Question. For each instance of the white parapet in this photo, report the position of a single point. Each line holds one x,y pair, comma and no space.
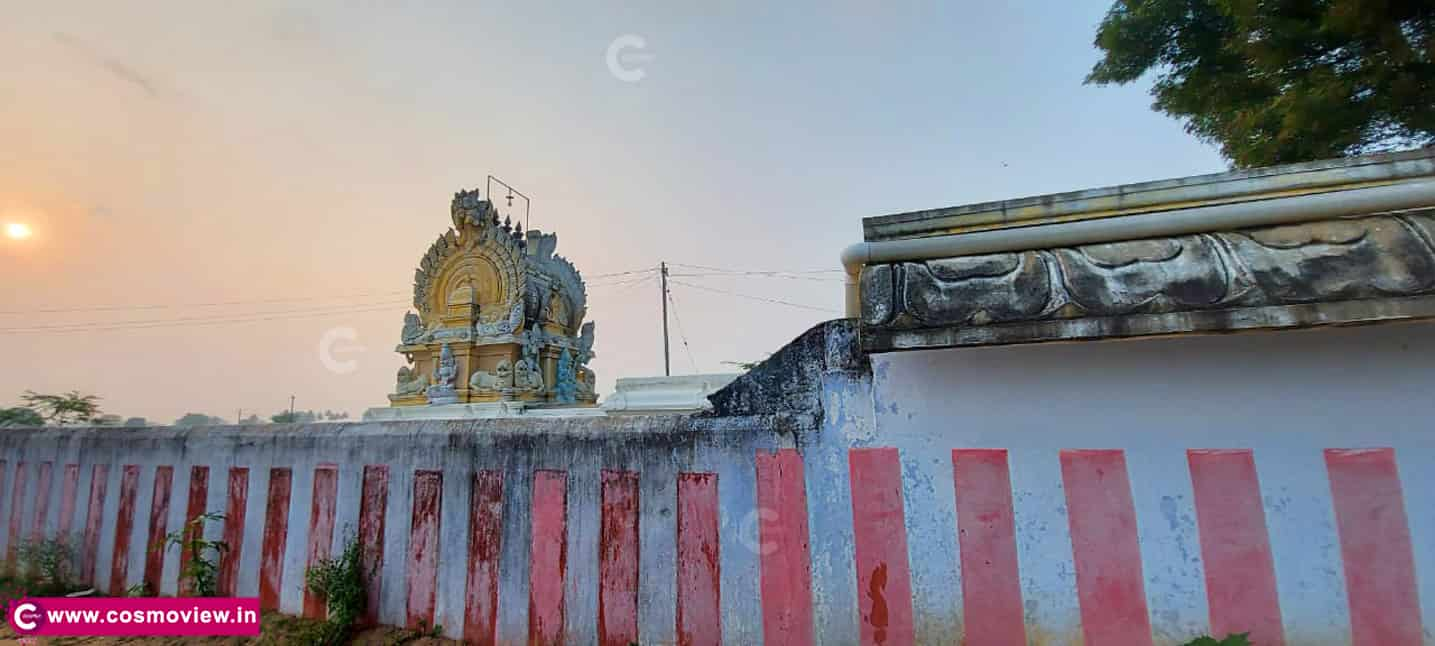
633,396
492,410
680,394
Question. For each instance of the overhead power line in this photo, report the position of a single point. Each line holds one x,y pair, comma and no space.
205,320
681,334
160,306
260,301
622,281
757,274
754,271
755,298
623,273
628,286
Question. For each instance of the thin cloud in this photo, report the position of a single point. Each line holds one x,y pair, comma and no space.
110,64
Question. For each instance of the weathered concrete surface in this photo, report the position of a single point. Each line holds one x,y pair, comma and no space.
948,473
1288,246
1348,271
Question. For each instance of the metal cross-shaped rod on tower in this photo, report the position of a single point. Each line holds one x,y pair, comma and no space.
663,271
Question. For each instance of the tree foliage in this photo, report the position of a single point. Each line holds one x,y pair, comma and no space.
1278,81
307,416
199,419
72,407
20,416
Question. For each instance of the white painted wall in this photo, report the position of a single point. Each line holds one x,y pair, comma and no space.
1286,395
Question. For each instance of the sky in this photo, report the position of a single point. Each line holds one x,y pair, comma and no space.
246,188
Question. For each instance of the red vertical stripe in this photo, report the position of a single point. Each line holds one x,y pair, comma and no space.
3,464
276,533
69,494
485,538
422,574
42,499
699,570
227,579
618,560
986,536
373,503
786,564
1235,547
17,516
548,558
124,527
1109,583
158,525
193,509
879,533
321,533
94,515
1375,546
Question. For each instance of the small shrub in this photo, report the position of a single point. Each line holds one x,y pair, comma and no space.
201,571
1239,639
340,582
47,565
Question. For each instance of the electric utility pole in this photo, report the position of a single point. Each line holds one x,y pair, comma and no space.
667,366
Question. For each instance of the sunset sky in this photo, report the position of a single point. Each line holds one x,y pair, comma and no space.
236,185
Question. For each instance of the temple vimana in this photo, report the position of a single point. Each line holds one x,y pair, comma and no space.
499,319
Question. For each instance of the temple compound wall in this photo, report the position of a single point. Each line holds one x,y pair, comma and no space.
947,466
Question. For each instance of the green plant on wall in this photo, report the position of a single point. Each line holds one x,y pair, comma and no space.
47,565
200,572
340,582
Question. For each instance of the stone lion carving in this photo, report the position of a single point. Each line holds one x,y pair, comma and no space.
499,379
410,382
527,376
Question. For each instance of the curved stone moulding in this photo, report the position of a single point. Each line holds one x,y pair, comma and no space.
477,236
1373,257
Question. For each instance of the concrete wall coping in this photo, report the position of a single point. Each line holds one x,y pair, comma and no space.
1155,196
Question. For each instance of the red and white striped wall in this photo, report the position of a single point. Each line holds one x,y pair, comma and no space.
1103,494
749,573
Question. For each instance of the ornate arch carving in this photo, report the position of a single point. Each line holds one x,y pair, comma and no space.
480,250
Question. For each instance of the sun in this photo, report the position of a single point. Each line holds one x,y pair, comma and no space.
17,230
